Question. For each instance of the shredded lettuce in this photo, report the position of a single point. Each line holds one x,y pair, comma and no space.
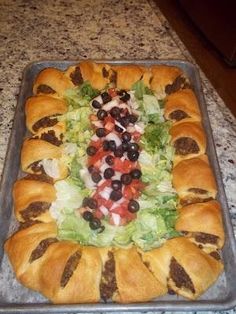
78,130
150,105
86,90
75,228
157,215
80,96
140,89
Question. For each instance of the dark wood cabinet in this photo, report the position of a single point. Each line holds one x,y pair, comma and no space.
217,21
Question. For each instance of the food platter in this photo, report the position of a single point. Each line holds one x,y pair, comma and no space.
221,296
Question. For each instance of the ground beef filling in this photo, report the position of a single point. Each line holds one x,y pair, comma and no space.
70,267
194,200
28,223
108,282
36,167
50,137
39,177
205,238
41,248
44,123
178,115
179,83
185,146
76,76
45,89
105,73
34,210
170,291
113,78
198,191
215,255
179,276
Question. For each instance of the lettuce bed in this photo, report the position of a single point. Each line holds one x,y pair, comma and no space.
157,215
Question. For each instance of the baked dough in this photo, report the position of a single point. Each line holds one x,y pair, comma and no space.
127,75
53,134
83,284
188,139
182,106
36,150
41,107
99,75
194,181
52,82
200,220
135,281
20,246
27,192
163,76
202,270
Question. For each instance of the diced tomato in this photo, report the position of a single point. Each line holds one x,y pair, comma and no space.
96,144
136,136
123,166
129,192
93,117
109,119
98,214
109,123
95,160
108,203
138,185
118,165
102,201
120,210
112,92
109,126
103,185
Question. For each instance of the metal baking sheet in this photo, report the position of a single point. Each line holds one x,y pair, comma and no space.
15,298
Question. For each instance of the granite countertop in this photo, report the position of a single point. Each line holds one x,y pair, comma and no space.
118,29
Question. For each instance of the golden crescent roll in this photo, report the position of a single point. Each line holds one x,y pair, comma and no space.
52,274
99,75
74,74
188,139
83,285
158,261
52,134
41,111
183,267
32,199
182,106
202,223
163,77
194,181
51,82
127,75
34,151
196,265
21,246
147,76
135,282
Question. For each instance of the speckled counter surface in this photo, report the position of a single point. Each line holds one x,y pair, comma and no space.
98,29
